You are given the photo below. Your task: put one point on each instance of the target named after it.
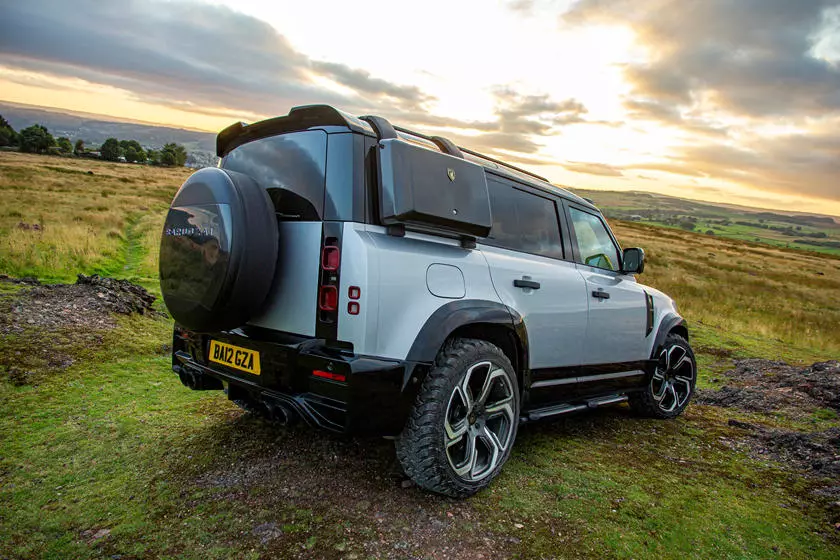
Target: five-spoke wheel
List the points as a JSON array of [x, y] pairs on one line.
[[464, 422], [479, 421], [672, 382]]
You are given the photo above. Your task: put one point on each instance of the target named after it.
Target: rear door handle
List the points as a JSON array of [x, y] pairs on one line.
[[526, 284], [600, 294]]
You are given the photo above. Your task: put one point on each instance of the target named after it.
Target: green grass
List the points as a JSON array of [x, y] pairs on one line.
[[116, 443], [114, 446]]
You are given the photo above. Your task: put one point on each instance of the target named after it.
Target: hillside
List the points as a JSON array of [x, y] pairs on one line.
[[103, 453], [95, 129], [809, 232]]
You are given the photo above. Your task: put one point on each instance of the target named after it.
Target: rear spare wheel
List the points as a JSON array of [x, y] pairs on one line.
[[218, 250]]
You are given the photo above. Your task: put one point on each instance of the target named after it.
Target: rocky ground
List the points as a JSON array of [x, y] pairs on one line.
[[42, 325], [799, 393]]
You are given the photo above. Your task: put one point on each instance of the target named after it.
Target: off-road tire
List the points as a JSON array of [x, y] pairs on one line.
[[421, 447], [646, 403]]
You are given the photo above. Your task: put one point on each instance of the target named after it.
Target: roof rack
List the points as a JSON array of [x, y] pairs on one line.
[[305, 116], [460, 150]]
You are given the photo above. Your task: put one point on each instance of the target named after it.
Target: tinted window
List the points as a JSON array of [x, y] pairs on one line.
[[594, 243], [523, 221], [291, 167]]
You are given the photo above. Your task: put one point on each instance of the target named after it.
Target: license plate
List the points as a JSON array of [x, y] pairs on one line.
[[235, 357]]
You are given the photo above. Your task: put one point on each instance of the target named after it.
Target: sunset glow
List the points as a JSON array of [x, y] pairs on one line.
[[719, 100]]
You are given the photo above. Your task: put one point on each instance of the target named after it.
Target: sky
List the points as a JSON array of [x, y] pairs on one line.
[[732, 101]]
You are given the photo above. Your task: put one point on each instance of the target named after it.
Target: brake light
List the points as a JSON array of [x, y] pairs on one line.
[[329, 375], [330, 258], [328, 298]]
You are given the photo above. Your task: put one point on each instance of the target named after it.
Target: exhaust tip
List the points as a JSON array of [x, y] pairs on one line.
[[280, 413]]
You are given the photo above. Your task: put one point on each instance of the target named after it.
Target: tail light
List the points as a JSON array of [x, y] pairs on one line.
[[329, 375], [328, 287], [328, 298]]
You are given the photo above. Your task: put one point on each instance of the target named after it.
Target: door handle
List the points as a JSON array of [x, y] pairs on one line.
[[526, 284], [600, 294]]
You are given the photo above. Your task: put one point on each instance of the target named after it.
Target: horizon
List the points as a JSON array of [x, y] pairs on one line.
[[105, 118], [724, 101]]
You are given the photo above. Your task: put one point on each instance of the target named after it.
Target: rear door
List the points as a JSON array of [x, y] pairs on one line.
[[526, 255], [292, 168], [615, 334]]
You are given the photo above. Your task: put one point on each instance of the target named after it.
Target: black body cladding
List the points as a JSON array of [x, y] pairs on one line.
[[214, 273]]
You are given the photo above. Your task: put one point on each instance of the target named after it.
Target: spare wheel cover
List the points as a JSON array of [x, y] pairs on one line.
[[218, 251]]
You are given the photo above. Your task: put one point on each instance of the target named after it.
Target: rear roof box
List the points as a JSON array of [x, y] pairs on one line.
[[432, 190]]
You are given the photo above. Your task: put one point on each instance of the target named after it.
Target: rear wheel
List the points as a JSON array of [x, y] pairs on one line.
[[672, 384], [463, 425]]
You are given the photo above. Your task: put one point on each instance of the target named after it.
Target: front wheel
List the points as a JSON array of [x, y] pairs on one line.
[[464, 422], [672, 383]]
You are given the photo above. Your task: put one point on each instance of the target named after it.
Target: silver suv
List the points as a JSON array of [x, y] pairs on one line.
[[371, 279]]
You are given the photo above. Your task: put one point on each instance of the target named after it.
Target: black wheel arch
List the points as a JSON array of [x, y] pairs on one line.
[[483, 319], [671, 323]]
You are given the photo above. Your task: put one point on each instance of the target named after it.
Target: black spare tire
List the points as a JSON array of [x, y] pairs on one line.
[[218, 250]]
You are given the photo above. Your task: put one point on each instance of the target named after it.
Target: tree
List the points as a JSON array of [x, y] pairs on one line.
[[153, 156], [167, 158], [110, 150], [79, 148], [8, 136], [131, 155], [64, 145], [173, 154], [36, 139]]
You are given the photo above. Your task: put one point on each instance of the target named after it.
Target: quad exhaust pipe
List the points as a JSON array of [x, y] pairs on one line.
[[197, 381], [280, 413]]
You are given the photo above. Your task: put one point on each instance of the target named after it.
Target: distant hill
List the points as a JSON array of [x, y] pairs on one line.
[[796, 230], [95, 129]]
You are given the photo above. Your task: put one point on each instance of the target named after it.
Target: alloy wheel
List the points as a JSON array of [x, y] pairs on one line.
[[479, 421], [673, 378]]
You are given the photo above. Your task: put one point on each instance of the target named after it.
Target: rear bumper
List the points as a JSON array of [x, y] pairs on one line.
[[374, 398]]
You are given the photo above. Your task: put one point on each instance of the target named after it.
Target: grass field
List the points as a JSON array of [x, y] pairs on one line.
[[820, 234], [62, 216], [112, 457]]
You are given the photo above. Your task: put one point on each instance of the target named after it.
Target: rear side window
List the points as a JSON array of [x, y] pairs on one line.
[[523, 221], [291, 167], [594, 243]]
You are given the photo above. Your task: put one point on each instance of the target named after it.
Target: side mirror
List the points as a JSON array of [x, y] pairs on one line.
[[633, 261]]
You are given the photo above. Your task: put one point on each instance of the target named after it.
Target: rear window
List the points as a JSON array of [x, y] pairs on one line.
[[291, 167]]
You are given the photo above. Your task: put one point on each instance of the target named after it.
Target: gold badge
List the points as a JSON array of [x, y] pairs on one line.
[[451, 174]]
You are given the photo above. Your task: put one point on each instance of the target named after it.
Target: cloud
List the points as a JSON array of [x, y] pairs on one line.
[[211, 60], [749, 57], [591, 168], [520, 121], [735, 76], [183, 54]]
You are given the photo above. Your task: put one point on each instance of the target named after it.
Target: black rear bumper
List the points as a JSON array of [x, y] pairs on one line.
[[374, 397]]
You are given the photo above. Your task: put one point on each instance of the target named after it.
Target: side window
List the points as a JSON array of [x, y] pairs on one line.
[[523, 221], [594, 243]]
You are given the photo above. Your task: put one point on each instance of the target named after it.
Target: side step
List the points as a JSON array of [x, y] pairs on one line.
[[549, 411]]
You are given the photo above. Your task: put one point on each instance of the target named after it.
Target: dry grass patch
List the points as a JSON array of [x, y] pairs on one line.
[[62, 216], [781, 295]]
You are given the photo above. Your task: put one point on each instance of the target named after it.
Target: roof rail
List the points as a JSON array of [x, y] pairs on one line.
[[435, 139], [383, 129]]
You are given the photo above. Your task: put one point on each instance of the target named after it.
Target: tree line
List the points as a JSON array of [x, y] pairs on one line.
[[37, 139]]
